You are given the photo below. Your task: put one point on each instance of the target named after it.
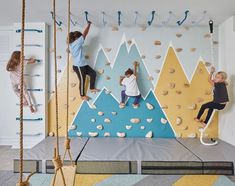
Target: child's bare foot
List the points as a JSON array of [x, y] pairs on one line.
[[85, 98], [197, 120], [95, 90], [135, 106], [122, 105], [32, 109], [203, 124]]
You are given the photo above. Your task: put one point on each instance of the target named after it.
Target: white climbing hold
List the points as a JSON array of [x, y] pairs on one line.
[[178, 120], [93, 120], [149, 106], [100, 71], [93, 134], [92, 106], [178, 35], [185, 127], [129, 42], [114, 113], [171, 70], [157, 42], [73, 85], [178, 106], [108, 92], [179, 50], [192, 135], [149, 134], [135, 120], [192, 107], [107, 63], [149, 120], [79, 134], [142, 127], [163, 121], [107, 120], [179, 135], [128, 127], [107, 49], [121, 134], [73, 127], [100, 113], [51, 134], [106, 134], [114, 28], [158, 56], [150, 78], [100, 127], [164, 92]]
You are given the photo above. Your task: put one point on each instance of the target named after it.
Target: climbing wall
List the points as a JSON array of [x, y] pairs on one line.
[[108, 120], [74, 102], [181, 98]]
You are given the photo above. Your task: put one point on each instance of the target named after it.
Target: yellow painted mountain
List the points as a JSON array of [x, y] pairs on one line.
[[182, 99], [74, 102]]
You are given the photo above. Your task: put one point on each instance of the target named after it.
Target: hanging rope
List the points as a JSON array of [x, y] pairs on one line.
[[67, 140], [21, 182], [56, 159]]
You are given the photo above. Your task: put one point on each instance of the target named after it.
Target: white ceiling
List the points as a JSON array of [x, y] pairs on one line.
[[39, 10]]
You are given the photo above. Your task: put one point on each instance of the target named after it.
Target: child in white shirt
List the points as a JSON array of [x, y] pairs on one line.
[[131, 88]]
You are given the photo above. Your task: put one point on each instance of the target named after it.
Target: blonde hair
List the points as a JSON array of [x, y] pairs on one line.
[[14, 61], [224, 76]]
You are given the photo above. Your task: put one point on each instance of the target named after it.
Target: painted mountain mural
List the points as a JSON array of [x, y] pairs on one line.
[[107, 119]]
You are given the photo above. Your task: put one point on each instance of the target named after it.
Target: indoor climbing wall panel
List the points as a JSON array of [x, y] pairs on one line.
[[108, 120], [181, 98]]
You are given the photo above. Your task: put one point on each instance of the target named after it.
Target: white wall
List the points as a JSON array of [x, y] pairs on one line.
[[227, 63]]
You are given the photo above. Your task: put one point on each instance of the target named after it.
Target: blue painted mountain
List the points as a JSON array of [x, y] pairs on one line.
[[107, 104], [124, 60]]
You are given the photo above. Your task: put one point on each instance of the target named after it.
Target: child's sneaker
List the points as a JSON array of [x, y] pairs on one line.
[[94, 90], [122, 105], [85, 98], [135, 106]]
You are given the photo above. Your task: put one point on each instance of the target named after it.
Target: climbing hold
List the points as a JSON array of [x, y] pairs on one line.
[[192, 135], [87, 56], [73, 85], [178, 92], [129, 42], [107, 120], [107, 63], [178, 106], [164, 107], [207, 35], [121, 134], [100, 113], [157, 42], [142, 127], [199, 99], [59, 71], [114, 28], [59, 29], [200, 71], [192, 107], [207, 64], [149, 106], [158, 56], [73, 127], [208, 92], [107, 78], [106, 134], [100, 71], [79, 134], [178, 35], [185, 127], [163, 121], [59, 57], [72, 113], [72, 98], [149, 120], [150, 78], [93, 134], [143, 56], [93, 120], [128, 127], [157, 71], [107, 49], [100, 127], [179, 135], [215, 42], [171, 85], [92, 106], [164, 92], [135, 120], [51, 134], [114, 113], [108, 92], [186, 85], [193, 49], [178, 120], [171, 70], [149, 134], [143, 27], [179, 50]]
